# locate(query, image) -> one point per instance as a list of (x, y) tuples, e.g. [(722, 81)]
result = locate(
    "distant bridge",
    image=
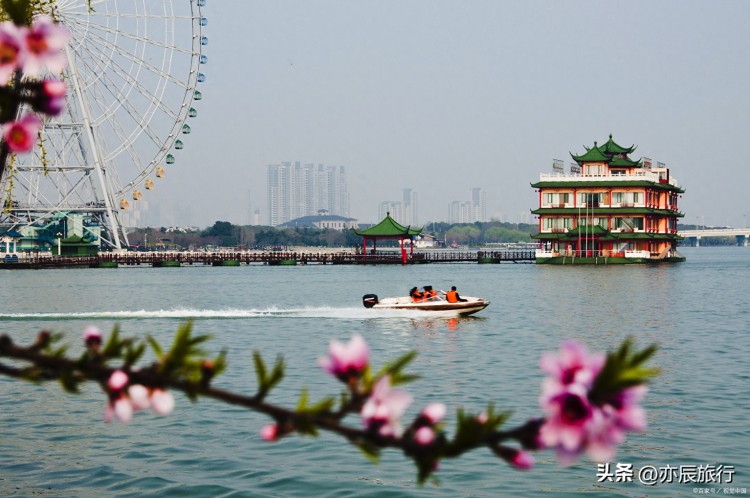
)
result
[(693, 237)]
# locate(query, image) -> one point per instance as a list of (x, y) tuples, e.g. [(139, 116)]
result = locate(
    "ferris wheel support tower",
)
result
[(133, 71)]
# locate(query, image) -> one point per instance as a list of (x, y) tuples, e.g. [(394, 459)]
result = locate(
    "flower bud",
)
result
[(270, 432)]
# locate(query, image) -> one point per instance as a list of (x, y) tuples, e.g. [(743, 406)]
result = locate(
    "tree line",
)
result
[(227, 235)]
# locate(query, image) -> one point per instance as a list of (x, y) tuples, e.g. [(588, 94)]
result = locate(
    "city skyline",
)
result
[(296, 190), (446, 96)]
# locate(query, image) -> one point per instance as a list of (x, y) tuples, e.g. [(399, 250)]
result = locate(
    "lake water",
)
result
[(55, 444)]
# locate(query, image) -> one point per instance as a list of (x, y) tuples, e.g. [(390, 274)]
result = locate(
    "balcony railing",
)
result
[(604, 253), (578, 177)]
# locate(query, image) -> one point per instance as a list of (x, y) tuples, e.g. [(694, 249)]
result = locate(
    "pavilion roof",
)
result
[(388, 228), (610, 152), (612, 148)]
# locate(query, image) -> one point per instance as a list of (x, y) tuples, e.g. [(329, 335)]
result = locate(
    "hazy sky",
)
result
[(442, 96)]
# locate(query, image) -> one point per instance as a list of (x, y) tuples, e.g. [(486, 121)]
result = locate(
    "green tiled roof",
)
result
[(388, 228), (605, 183), (611, 148), (624, 162), (608, 210), (610, 152), (608, 236), (588, 230), (640, 236), (592, 155)]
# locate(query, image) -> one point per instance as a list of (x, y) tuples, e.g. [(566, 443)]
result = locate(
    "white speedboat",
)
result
[(437, 305)]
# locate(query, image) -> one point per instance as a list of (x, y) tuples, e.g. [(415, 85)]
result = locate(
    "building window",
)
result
[(593, 221), (556, 199), (594, 170), (587, 199), (557, 224), (626, 198), (628, 224)]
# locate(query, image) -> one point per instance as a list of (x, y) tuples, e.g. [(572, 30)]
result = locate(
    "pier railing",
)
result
[(273, 258)]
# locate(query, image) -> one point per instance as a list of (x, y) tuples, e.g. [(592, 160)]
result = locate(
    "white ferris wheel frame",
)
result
[(133, 72)]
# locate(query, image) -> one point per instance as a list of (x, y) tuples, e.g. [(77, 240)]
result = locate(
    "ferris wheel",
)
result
[(134, 67)]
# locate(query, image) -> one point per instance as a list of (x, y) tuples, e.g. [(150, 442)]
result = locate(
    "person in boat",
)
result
[(453, 297), (416, 296), (430, 293)]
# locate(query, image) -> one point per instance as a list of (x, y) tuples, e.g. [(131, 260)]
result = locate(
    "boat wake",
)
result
[(224, 314)]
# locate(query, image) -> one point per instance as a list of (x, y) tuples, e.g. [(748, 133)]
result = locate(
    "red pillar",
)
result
[(403, 251)]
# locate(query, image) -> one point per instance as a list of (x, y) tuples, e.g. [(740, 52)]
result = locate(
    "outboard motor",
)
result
[(369, 300)]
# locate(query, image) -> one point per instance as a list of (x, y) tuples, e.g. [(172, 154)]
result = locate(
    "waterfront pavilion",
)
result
[(389, 229)]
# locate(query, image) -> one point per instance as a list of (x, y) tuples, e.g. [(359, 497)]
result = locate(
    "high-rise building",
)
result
[(404, 211), (460, 212), (470, 211), (479, 204), (296, 190), (409, 211)]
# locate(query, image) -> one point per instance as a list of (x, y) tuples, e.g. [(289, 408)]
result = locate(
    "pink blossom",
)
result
[(11, 43), (346, 360), (91, 335), (574, 364), (626, 411), (45, 44), (383, 409), (574, 424), (424, 435), (139, 397), (569, 416), (603, 436), (117, 380), (120, 410), (52, 98), (162, 402), (522, 460), (21, 135), (434, 412), (270, 432)]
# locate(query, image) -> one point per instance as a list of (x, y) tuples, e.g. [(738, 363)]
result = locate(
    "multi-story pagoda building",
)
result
[(607, 209)]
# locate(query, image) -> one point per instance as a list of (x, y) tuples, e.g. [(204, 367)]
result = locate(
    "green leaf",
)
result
[(622, 369), (113, 346), (370, 451), (260, 369), (302, 403), (325, 405), (133, 354), (277, 374), (155, 346)]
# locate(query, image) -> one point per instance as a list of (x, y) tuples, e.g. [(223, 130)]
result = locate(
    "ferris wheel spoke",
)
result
[(133, 83), (111, 86), (139, 38), (134, 58)]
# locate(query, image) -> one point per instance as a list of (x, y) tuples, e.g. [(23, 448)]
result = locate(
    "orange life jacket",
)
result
[(417, 296), (432, 293), (452, 296)]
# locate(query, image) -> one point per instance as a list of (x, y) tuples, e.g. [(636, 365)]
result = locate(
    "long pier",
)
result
[(271, 258)]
